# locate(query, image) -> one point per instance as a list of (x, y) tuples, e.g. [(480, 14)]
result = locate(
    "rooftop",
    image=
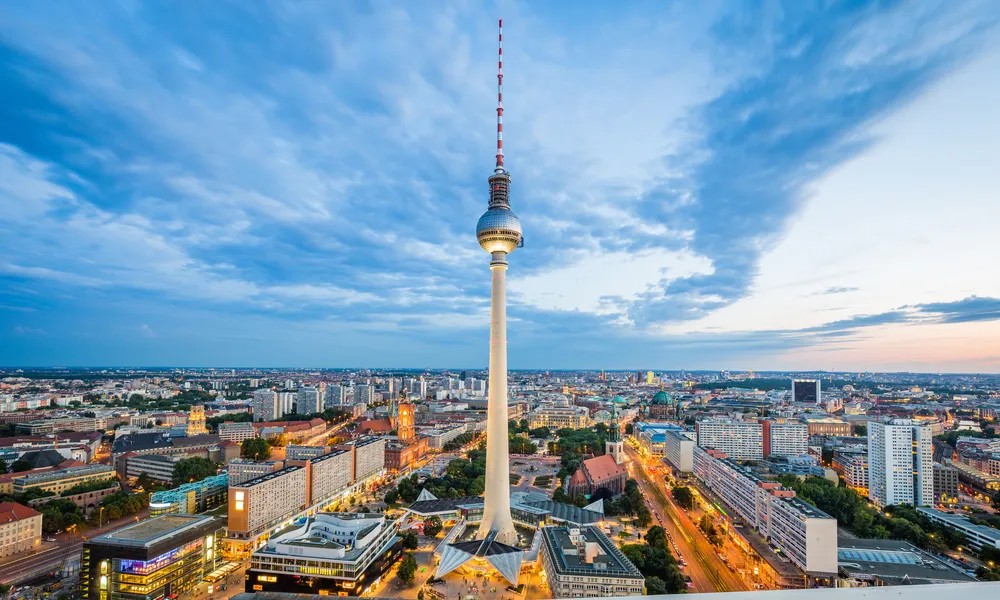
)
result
[(58, 474), (12, 511), (574, 556), (268, 477), (893, 561), (148, 532)]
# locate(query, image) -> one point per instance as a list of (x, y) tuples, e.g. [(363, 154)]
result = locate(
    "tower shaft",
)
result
[(496, 508)]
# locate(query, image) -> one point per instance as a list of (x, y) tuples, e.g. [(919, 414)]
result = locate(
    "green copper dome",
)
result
[(663, 398)]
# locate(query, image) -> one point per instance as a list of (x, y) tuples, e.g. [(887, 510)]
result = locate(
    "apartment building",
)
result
[(307, 401), (581, 562), (293, 452), (784, 438), (265, 405), (336, 395), (259, 504), (20, 529), (741, 440), (804, 534), (364, 394), (329, 474), (853, 467), (159, 467), (679, 451), (900, 463), (369, 456), (236, 432), (244, 469)]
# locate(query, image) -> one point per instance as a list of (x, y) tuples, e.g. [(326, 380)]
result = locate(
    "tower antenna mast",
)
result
[(499, 167)]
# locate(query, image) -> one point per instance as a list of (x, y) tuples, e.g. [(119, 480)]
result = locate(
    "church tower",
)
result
[(614, 446), (405, 430)]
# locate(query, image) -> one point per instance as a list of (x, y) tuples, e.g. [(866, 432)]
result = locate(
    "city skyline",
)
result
[(721, 187)]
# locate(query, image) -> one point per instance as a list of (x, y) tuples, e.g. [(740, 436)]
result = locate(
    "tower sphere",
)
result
[(498, 230)]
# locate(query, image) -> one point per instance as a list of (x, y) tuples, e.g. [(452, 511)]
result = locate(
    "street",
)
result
[(707, 571)]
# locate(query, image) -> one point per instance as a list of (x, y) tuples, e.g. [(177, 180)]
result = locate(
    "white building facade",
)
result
[(900, 463)]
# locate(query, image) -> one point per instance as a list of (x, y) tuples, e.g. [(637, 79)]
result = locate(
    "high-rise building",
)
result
[(265, 405), (364, 393), (785, 438), (307, 401), (806, 390), (650, 378), (741, 440), (900, 463), (336, 395)]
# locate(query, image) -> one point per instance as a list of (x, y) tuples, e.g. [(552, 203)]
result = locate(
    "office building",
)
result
[(190, 498), (307, 401), (258, 505), (679, 451), (161, 557), (59, 480), (265, 405), (159, 467), (976, 536), (741, 440), (945, 483), (581, 562), (20, 529), (244, 469), (345, 553), (828, 426), (801, 532), (806, 390), (558, 417), (785, 438), (900, 463), (236, 432)]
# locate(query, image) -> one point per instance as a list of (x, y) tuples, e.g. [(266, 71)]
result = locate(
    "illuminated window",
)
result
[(104, 582), (239, 505), (239, 495)]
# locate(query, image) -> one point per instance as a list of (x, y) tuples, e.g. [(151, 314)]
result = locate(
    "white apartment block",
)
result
[(331, 473), (803, 533), (307, 401), (243, 469), (364, 393), (258, 504), (900, 463), (265, 405), (369, 457), (336, 395), (679, 450), (741, 440), (285, 403), (785, 438), (437, 438), (236, 432)]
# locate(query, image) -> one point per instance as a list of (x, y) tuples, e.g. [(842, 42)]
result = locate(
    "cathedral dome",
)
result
[(662, 398)]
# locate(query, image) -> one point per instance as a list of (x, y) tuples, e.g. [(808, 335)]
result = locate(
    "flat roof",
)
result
[(148, 532), (962, 522), (65, 473), (894, 560), (610, 562), (268, 477)]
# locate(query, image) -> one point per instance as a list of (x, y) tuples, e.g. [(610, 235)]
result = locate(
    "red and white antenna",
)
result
[(500, 100)]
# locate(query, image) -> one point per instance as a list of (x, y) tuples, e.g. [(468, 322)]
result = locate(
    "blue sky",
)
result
[(797, 185)]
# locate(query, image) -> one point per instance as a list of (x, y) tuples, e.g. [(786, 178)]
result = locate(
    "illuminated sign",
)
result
[(145, 567)]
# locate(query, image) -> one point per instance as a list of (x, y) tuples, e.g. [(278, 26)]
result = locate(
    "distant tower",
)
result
[(196, 421), (498, 232), (614, 445), (405, 430)]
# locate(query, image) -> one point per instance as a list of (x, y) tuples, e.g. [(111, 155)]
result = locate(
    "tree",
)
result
[(996, 501), (642, 516), (407, 569), (255, 449), (410, 541), (861, 430), (420, 595), (432, 527), (193, 469), (683, 496), (655, 586), (391, 497), (3, 467)]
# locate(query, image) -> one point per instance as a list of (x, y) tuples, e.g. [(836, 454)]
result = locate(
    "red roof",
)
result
[(377, 425), (602, 468), (12, 511)]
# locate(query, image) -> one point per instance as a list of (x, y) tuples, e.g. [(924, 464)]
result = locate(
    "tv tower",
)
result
[(498, 232)]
